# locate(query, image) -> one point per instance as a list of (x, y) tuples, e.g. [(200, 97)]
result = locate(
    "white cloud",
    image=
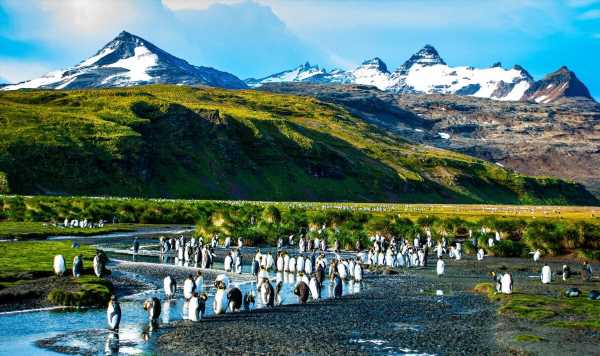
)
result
[(177, 5), (590, 15), (17, 71)]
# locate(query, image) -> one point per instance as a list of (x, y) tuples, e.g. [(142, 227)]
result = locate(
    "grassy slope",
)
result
[(177, 142)]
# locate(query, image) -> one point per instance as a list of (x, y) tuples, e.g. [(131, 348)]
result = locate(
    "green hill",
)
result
[(183, 142)]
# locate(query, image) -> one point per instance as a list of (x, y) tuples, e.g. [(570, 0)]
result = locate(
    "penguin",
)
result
[(308, 265), (59, 265), (566, 272), (113, 314), (342, 270), (220, 300), (320, 274), (536, 255), (77, 266), (199, 282), (286, 263), (351, 265), (315, 288), (228, 262), (136, 245), (189, 287), (152, 306), (302, 291), (267, 293), (270, 261), (205, 257), (337, 286), (292, 265), (249, 300), (279, 263), (278, 288), (194, 308), (238, 263), (234, 296), (358, 273), (594, 295), (170, 286), (546, 274), (98, 266), (255, 267), (300, 264), (440, 266), (480, 254), (573, 292), (506, 283)]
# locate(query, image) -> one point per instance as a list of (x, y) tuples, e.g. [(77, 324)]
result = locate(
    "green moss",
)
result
[(38, 230), (567, 324), (91, 292), (528, 338)]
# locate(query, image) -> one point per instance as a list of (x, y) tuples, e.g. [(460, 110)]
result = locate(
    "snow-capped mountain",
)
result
[(130, 60), (426, 72), (303, 73)]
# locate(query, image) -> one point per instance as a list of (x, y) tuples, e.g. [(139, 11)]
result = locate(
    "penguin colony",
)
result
[(309, 269)]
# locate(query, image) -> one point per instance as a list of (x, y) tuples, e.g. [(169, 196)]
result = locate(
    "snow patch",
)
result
[(137, 65), (96, 58), (444, 135)]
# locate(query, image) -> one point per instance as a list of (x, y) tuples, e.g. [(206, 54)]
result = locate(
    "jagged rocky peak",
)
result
[(562, 83), (375, 63), (496, 65), (426, 56)]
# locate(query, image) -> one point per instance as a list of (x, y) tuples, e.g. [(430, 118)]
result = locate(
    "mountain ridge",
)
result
[(425, 72)]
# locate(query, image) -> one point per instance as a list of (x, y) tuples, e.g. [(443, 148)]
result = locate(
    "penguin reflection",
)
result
[(111, 346)]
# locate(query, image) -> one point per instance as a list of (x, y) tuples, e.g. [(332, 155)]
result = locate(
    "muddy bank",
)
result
[(396, 314)]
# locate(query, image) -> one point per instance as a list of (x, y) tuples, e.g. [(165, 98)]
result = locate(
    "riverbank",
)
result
[(413, 311), (397, 314)]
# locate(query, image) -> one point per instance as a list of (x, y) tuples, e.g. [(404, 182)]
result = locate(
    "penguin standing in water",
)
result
[(152, 306), (238, 263), (136, 245), (98, 265), (77, 266), (315, 288), (220, 301), (113, 314), (197, 306), (267, 293), (270, 261), (199, 282), (506, 283), (189, 287), (279, 266), (228, 262), (320, 274), (480, 254), (302, 291), (278, 288), (358, 272), (249, 300), (170, 286), (234, 296), (205, 257), (59, 265), (255, 267), (337, 286), (308, 265), (566, 272)]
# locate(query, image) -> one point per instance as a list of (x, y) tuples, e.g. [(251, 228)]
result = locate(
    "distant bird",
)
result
[(197, 306), (315, 288), (136, 245), (440, 267), (59, 265), (267, 293), (358, 272), (546, 274), (249, 300), (337, 286), (189, 287), (573, 292), (113, 313)]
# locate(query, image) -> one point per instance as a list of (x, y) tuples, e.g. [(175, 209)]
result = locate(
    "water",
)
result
[(84, 330)]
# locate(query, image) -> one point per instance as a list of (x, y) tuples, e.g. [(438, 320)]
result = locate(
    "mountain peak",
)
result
[(129, 60), (562, 83), (426, 56), (376, 63)]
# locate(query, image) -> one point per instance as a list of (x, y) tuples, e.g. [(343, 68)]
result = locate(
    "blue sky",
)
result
[(260, 37)]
